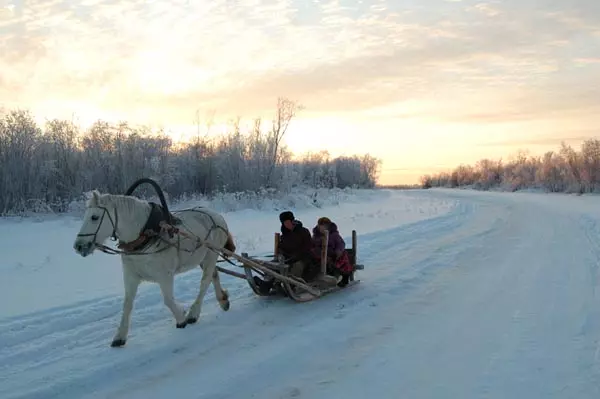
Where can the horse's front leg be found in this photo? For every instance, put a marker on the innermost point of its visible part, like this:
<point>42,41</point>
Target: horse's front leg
<point>166,284</point>
<point>209,265</point>
<point>131,283</point>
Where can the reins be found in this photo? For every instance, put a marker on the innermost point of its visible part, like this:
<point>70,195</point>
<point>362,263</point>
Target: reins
<point>165,228</point>
<point>168,229</point>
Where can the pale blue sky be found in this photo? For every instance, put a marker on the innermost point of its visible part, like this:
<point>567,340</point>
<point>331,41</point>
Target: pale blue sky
<point>421,84</point>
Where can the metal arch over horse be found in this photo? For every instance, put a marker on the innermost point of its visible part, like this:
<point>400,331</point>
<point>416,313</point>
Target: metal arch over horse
<point>155,246</point>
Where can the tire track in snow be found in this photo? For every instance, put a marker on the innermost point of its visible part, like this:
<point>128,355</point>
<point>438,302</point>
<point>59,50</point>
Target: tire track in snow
<point>71,336</point>
<point>75,338</point>
<point>22,330</point>
<point>424,248</point>
<point>502,323</point>
<point>346,308</point>
<point>591,229</point>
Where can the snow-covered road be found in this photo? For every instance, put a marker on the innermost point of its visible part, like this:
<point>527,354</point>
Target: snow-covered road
<point>485,295</point>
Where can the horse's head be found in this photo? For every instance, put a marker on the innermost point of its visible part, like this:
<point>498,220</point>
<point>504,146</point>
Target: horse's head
<point>99,223</point>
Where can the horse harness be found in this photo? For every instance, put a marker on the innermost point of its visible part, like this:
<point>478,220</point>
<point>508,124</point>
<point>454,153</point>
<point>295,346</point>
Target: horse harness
<point>155,225</point>
<point>151,232</point>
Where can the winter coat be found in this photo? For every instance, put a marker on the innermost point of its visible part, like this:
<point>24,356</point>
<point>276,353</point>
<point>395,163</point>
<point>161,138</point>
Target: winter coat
<point>336,244</point>
<point>295,244</point>
<point>336,249</point>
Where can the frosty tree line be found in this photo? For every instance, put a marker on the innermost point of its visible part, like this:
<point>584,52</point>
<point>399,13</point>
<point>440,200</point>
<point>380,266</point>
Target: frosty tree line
<point>566,170</point>
<point>51,166</point>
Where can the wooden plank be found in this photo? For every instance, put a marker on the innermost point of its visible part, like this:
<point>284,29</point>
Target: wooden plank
<point>231,272</point>
<point>269,264</point>
<point>266,270</point>
<point>325,243</point>
<point>276,245</point>
<point>354,248</point>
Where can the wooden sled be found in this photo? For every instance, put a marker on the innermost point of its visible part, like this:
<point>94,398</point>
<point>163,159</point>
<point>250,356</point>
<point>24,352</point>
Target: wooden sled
<point>286,284</point>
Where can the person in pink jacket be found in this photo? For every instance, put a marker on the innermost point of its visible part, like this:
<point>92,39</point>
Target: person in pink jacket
<point>336,248</point>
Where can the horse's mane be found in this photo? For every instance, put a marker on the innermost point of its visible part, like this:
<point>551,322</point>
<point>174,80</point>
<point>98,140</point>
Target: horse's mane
<point>119,200</point>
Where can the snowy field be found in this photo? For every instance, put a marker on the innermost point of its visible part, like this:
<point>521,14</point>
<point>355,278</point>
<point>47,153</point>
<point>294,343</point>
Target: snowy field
<point>464,295</point>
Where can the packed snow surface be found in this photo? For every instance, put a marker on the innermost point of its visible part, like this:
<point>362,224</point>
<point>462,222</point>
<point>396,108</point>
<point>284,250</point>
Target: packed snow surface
<point>464,295</point>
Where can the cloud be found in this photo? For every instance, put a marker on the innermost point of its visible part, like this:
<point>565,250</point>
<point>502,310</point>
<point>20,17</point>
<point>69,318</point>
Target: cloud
<point>486,9</point>
<point>412,61</point>
<point>237,57</point>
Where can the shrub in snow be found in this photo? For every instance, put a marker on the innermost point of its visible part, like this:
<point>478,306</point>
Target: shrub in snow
<point>567,170</point>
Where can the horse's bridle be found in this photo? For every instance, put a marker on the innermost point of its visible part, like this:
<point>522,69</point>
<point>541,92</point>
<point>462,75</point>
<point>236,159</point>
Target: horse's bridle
<point>113,236</point>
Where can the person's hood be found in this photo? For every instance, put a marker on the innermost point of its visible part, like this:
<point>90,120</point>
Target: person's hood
<point>332,229</point>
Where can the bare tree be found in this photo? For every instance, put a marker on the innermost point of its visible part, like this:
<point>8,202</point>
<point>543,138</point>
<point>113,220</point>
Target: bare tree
<point>552,172</point>
<point>285,112</point>
<point>590,164</point>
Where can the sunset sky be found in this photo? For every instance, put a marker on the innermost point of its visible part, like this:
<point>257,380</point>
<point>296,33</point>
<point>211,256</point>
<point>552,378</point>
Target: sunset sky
<point>421,84</point>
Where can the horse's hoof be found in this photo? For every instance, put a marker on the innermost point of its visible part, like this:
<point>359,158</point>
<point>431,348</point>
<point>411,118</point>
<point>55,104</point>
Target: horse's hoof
<point>225,305</point>
<point>191,320</point>
<point>182,324</point>
<point>117,343</point>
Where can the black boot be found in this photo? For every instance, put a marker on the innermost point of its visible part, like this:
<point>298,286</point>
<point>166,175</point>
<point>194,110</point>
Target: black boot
<point>263,286</point>
<point>344,281</point>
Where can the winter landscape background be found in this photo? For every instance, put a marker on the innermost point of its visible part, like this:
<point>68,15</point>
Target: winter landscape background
<point>49,168</point>
<point>481,279</point>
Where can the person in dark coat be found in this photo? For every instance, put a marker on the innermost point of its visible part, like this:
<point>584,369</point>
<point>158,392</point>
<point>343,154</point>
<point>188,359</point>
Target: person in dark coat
<point>337,256</point>
<point>295,242</point>
<point>295,245</point>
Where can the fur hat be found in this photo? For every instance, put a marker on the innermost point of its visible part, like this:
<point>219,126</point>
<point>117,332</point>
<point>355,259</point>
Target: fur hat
<point>287,215</point>
<point>323,220</point>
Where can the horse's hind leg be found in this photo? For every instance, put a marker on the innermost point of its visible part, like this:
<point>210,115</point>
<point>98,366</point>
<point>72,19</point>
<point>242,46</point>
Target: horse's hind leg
<point>220,293</point>
<point>209,265</point>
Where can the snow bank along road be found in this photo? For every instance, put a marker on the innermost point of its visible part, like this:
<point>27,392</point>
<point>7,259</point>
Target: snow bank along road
<point>486,295</point>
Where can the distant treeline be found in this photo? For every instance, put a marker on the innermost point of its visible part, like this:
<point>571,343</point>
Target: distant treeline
<point>567,170</point>
<point>399,186</point>
<point>52,166</point>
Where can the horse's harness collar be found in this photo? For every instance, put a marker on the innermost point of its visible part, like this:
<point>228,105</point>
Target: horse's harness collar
<point>155,224</point>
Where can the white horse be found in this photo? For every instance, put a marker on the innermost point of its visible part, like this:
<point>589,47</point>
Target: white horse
<point>156,259</point>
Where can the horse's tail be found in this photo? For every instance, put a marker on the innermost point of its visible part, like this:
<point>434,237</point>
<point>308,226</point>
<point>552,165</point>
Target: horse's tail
<point>229,244</point>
